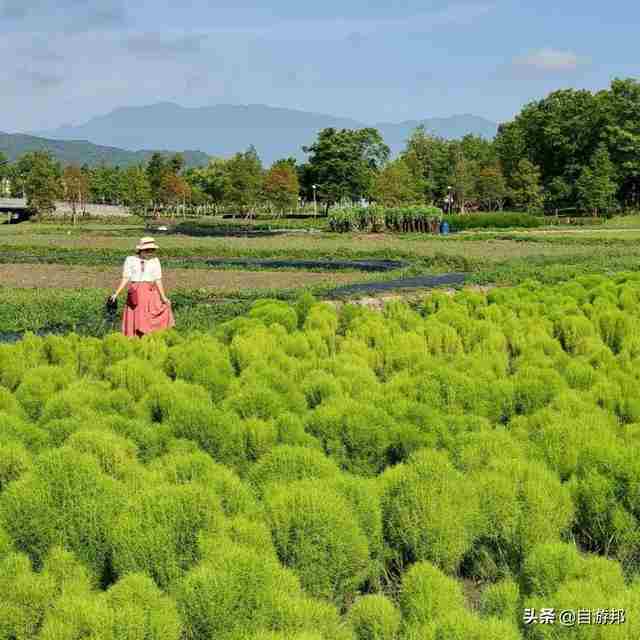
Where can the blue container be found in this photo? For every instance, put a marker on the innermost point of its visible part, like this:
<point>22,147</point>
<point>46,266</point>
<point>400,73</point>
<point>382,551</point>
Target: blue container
<point>444,227</point>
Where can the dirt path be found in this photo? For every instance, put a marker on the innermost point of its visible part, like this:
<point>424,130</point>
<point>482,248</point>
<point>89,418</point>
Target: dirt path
<point>48,276</point>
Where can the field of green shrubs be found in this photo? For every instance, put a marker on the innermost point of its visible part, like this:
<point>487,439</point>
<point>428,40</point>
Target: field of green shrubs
<point>307,473</point>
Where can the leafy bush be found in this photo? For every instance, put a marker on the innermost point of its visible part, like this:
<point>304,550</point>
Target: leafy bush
<point>430,511</point>
<point>374,617</point>
<point>157,532</point>
<point>315,534</point>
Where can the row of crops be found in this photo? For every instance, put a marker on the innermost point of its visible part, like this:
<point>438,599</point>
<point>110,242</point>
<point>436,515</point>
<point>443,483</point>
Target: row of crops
<point>376,219</point>
<point>304,473</point>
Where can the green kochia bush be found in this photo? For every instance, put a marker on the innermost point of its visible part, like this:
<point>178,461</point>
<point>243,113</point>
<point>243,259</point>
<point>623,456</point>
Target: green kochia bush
<point>374,617</point>
<point>430,510</point>
<point>238,593</point>
<point>157,532</point>
<point>315,534</point>
<point>65,500</point>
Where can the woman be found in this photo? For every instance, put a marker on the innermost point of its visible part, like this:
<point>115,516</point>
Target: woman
<point>147,307</point>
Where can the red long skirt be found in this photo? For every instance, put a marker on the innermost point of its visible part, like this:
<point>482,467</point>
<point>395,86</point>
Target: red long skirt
<point>150,314</point>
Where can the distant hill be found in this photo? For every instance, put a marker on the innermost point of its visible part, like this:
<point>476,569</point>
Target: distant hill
<point>223,130</point>
<point>13,145</point>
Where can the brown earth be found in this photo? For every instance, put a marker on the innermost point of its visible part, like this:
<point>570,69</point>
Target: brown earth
<point>71,277</point>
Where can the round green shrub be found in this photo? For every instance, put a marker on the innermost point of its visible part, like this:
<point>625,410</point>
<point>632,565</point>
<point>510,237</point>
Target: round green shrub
<point>24,598</point>
<point>116,455</point>
<point>374,617</point>
<point>315,535</point>
<point>135,375</point>
<point>234,593</point>
<point>502,600</point>
<point>275,311</point>
<point>286,464</point>
<point>430,510</point>
<point>15,460</point>
<point>157,532</point>
<point>38,385</point>
<point>66,500</point>
<point>183,468</point>
<point>427,595</point>
<point>141,610</point>
<point>204,362</point>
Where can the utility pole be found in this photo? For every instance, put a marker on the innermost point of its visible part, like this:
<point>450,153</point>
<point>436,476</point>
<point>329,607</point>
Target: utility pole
<point>315,203</point>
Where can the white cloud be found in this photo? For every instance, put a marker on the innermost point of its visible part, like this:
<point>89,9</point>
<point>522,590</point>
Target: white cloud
<point>551,60</point>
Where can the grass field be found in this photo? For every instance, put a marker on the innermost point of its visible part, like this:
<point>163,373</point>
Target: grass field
<point>88,257</point>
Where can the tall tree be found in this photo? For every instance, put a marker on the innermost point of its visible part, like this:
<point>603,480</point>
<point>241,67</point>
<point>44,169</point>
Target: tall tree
<point>5,172</point>
<point>281,186</point>
<point>491,187</point>
<point>174,190</point>
<point>622,135</point>
<point>463,182</point>
<point>76,189</point>
<point>212,180</point>
<point>156,169</point>
<point>428,158</point>
<point>137,194</point>
<point>245,175</point>
<point>176,163</point>
<point>343,163</point>
<point>397,185</point>
<point>597,185</point>
<point>526,187</point>
<point>41,181</point>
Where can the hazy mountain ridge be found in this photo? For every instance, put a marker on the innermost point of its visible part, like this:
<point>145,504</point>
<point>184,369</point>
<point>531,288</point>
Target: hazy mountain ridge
<point>224,129</point>
<point>14,145</point>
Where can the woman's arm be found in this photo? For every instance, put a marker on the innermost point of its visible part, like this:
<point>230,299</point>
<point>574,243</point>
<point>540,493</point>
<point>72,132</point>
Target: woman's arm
<point>163,296</point>
<point>121,286</point>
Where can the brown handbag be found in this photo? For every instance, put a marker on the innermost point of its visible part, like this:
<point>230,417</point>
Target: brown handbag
<point>132,297</point>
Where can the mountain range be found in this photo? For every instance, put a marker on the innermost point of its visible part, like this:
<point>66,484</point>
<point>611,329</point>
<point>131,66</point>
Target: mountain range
<point>14,145</point>
<point>222,130</point>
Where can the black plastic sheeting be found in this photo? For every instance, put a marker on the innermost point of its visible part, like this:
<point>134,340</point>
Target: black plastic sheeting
<point>360,265</point>
<point>416,282</point>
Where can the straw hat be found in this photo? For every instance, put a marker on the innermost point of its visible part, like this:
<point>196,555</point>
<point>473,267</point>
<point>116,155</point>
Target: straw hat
<point>146,243</point>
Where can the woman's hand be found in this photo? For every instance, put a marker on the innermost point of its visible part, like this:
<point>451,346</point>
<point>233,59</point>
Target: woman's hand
<point>113,297</point>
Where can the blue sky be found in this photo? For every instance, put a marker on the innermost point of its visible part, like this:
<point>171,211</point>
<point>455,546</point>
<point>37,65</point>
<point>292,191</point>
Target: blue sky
<point>70,60</point>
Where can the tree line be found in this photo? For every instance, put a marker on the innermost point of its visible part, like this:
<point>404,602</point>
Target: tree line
<point>573,150</point>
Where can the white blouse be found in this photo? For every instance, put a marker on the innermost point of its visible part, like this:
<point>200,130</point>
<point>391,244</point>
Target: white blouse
<point>137,270</point>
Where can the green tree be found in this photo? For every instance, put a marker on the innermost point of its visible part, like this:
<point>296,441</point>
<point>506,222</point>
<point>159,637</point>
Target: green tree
<point>526,188</point>
<point>463,182</point>
<point>343,163</point>
<point>4,167</point>
<point>429,160</point>
<point>107,184</point>
<point>622,134</point>
<point>156,168</point>
<point>558,194</point>
<point>597,186</point>
<point>245,175</point>
<point>137,195</point>
<point>176,163</point>
<point>491,187</point>
<point>41,181</point>
<point>397,185</point>
<point>75,189</point>
<point>281,186</point>
<point>212,180</point>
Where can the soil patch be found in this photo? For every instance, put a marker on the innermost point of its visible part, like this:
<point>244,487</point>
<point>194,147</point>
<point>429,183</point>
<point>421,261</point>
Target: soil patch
<point>416,282</point>
<point>71,277</point>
